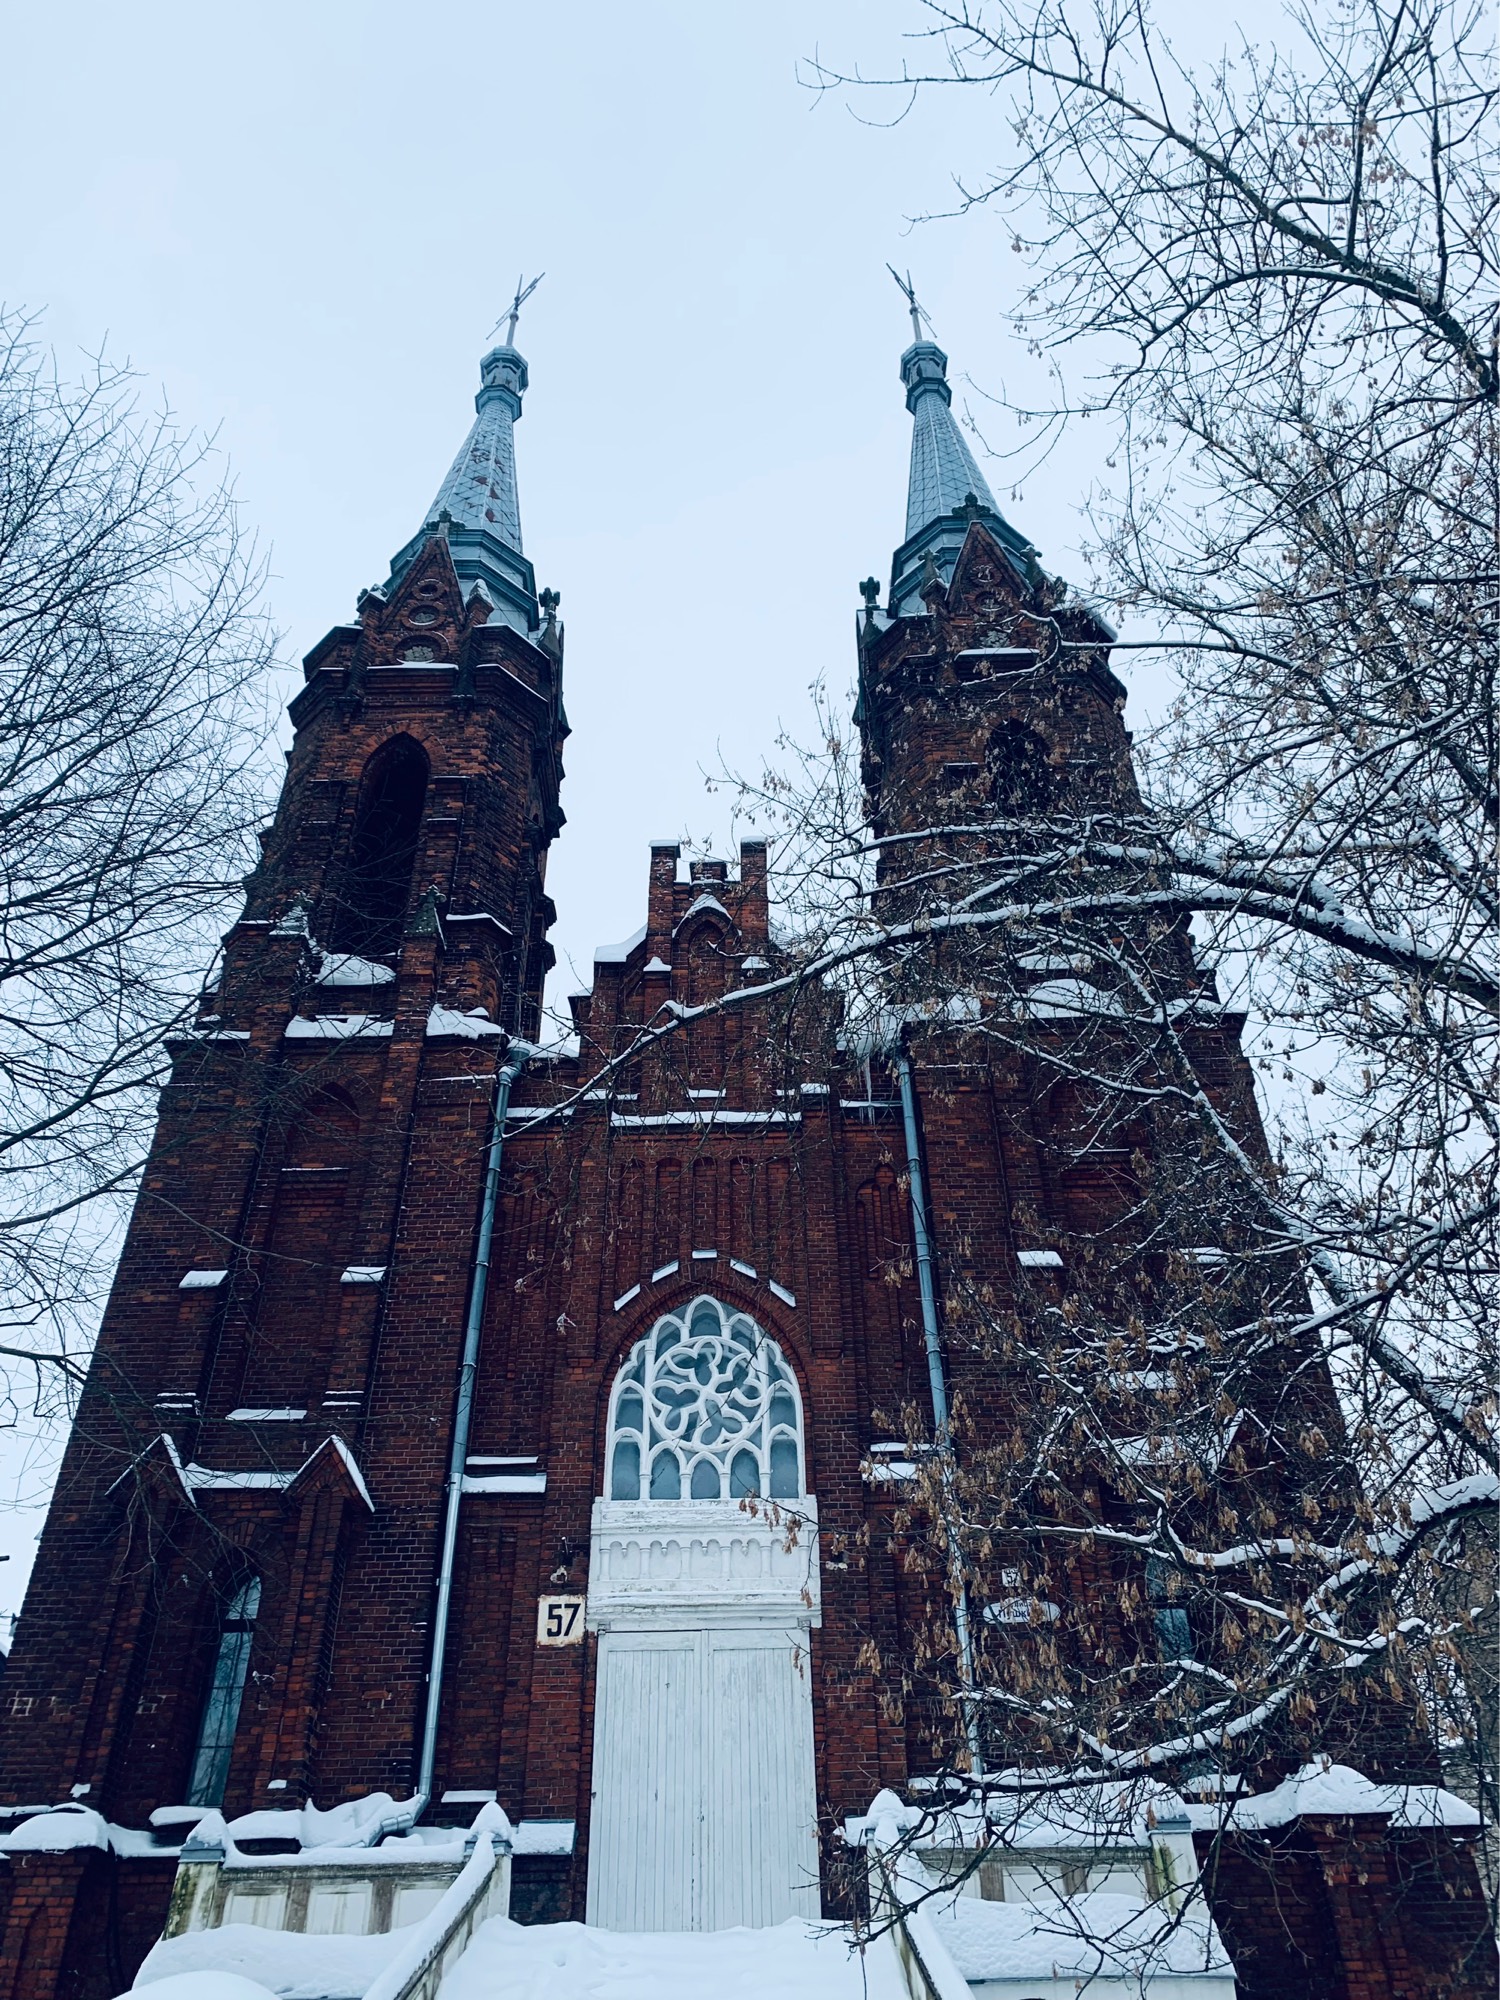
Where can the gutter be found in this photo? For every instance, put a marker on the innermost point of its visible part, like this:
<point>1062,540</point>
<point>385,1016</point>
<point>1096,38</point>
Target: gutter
<point>518,1055</point>
<point>942,1436</point>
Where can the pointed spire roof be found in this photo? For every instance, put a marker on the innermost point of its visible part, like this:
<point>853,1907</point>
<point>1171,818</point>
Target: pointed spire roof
<point>946,491</point>
<point>476,508</point>
<point>480,490</point>
<point>943,472</point>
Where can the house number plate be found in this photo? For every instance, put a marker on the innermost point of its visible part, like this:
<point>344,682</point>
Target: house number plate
<point>559,1620</point>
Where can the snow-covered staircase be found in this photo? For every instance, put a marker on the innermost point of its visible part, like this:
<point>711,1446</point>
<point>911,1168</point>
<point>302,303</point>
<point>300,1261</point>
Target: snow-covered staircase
<point>796,1960</point>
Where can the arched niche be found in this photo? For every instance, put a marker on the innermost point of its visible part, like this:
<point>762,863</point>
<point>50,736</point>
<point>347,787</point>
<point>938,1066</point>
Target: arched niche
<point>375,881</point>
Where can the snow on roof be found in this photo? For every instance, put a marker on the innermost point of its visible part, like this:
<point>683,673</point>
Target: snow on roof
<point>1324,1788</point>
<point>616,954</point>
<point>705,902</point>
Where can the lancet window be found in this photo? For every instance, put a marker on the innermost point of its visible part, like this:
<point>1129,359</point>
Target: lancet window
<point>705,1408</point>
<point>226,1689</point>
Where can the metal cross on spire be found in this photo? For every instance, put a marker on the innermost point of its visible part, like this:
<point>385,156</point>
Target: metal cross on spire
<point>523,293</point>
<point>908,291</point>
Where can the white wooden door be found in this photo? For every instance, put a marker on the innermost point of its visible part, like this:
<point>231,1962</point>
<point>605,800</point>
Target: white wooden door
<point>704,1803</point>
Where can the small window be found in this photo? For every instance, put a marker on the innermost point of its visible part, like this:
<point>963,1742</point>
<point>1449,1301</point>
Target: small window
<point>226,1689</point>
<point>1174,1632</point>
<point>714,1402</point>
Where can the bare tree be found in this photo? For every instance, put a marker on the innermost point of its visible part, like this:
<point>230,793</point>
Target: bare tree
<point>132,725</point>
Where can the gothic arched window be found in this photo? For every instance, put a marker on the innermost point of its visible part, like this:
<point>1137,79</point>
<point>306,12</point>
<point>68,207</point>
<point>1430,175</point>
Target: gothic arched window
<point>1020,771</point>
<point>382,851</point>
<point>226,1689</point>
<point>705,1408</point>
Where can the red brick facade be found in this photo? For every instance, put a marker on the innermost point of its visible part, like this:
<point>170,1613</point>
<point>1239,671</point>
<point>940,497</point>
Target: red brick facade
<point>331,1172</point>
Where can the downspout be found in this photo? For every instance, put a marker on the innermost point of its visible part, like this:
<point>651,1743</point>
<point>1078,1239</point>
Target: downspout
<point>942,1436</point>
<point>517,1056</point>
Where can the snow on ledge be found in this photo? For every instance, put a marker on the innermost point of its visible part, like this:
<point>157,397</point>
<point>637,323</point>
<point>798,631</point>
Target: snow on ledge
<point>200,1281</point>
<point>337,1028</point>
<point>699,1118</point>
<point>543,1836</point>
<point>472,1027</point>
<point>505,1482</point>
<point>344,969</point>
<point>56,1831</point>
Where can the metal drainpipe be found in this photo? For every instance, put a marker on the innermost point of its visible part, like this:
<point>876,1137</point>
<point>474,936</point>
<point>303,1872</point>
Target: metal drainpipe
<point>928,1291</point>
<point>517,1057</point>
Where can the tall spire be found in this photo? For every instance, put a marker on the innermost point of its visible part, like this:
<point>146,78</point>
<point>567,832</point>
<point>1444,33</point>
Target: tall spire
<point>476,506</point>
<point>479,492</point>
<point>943,472</point>
<point>946,491</point>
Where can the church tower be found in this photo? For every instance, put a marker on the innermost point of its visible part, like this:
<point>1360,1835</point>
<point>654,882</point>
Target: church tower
<point>205,1585</point>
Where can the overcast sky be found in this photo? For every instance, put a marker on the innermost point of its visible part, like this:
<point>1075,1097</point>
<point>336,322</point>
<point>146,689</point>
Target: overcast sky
<point>301,222</point>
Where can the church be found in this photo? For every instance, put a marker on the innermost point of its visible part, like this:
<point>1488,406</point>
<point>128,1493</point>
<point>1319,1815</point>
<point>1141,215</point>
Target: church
<point>477,1423</point>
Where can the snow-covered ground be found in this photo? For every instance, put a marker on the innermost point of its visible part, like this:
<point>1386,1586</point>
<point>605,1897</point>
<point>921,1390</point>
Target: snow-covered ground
<point>293,1966</point>
<point>796,1960</point>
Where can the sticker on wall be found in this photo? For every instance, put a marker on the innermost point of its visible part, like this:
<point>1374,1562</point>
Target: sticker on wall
<point>559,1620</point>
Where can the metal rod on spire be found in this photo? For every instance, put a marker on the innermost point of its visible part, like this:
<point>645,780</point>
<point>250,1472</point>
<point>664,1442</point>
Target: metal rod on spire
<point>523,293</point>
<point>909,293</point>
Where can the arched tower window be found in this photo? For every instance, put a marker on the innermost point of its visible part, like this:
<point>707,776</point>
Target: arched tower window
<point>382,852</point>
<point>705,1408</point>
<point>1020,772</point>
<point>226,1689</point>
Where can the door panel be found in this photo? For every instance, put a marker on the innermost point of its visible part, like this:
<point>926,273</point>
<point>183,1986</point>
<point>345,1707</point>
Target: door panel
<point>761,1842</point>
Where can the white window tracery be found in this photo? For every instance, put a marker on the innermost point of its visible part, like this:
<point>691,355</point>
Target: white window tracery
<point>705,1408</point>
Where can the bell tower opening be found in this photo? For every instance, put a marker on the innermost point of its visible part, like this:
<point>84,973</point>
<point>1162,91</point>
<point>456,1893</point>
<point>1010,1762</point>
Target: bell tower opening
<point>376,881</point>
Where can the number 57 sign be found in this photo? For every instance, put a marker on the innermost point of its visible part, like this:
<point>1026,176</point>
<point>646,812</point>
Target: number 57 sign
<point>559,1621</point>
